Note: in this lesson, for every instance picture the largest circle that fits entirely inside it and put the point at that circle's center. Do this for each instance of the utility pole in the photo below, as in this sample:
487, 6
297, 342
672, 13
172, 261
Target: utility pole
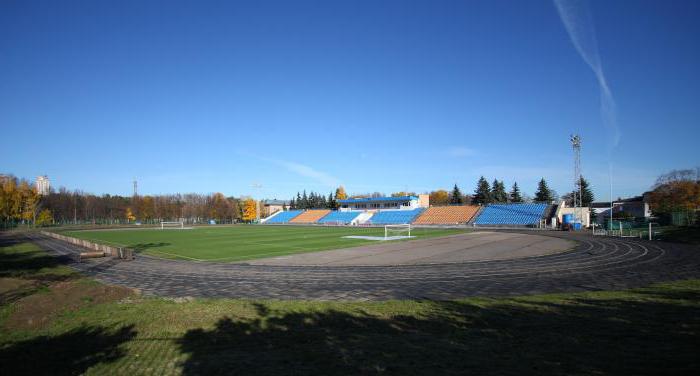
578, 193
257, 187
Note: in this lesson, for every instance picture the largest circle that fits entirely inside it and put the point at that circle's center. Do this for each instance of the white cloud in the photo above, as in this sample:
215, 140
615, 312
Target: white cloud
302, 170
310, 172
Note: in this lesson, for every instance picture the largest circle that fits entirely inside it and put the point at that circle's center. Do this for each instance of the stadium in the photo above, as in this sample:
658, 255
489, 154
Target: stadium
354, 187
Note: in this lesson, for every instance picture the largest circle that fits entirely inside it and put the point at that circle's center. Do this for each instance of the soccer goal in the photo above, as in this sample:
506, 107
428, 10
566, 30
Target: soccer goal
172, 225
397, 231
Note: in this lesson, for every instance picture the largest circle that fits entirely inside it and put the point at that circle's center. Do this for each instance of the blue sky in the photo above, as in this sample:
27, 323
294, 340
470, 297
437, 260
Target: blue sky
375, 95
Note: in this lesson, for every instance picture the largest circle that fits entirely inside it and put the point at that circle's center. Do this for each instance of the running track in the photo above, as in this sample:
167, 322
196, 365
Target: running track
597, 263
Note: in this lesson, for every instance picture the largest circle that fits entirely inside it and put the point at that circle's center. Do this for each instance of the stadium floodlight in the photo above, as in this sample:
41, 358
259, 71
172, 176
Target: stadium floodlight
172, 225
397, 231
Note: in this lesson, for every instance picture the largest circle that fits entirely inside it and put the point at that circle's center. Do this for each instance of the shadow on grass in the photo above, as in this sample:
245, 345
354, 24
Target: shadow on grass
514, 336
145, 246
34, 264
71, 353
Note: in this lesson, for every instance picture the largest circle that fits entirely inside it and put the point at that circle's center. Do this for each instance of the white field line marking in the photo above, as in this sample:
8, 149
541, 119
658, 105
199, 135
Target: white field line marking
176, 255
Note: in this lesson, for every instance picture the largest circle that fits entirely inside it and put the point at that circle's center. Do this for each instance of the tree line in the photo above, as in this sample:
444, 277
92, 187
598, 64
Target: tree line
20, 203
495, 192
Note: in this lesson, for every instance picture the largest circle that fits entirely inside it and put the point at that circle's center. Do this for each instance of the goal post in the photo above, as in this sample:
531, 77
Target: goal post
169, 225
403, 230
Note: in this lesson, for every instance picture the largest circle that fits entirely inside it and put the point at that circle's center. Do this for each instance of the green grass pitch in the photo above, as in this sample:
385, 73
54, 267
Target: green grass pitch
240, 242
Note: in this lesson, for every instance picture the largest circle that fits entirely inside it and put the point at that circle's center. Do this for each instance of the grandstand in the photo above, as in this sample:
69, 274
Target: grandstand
338, 217
310, 216
284, 217
511, 214
389, 217
447, 215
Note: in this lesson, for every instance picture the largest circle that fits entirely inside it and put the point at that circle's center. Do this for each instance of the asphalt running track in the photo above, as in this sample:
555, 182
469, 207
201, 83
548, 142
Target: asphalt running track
596, 263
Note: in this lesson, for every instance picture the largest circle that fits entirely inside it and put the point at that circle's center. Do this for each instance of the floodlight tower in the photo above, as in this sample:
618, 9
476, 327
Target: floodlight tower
578, 189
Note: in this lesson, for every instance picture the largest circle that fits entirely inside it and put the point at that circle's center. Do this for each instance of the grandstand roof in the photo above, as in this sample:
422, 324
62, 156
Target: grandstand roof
377, 199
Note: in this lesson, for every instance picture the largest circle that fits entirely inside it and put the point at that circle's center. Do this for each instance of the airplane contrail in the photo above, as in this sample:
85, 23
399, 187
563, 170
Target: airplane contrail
578, 21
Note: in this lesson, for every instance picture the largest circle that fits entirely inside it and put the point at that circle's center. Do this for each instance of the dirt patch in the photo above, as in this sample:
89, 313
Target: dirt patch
12, 289
37, 310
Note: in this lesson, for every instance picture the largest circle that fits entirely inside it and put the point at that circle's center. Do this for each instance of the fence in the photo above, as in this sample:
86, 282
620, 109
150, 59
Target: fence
107, 250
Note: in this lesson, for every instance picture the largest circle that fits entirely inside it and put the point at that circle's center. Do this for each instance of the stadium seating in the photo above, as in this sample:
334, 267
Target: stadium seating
338, 217
446, 215
310, 216
284, 217
389, 217
511, 214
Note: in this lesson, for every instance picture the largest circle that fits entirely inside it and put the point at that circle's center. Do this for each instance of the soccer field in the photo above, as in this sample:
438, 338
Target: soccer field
240, 242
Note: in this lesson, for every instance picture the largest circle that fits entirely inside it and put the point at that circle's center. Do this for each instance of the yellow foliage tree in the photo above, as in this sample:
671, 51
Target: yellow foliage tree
340, 193
249, 210
45, 218
129, 215
439, 197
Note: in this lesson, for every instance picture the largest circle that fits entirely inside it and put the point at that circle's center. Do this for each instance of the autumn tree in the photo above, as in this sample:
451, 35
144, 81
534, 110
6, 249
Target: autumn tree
403, 194
129, 215
44, 218
439, 197
677, 194
340, 193
249, 210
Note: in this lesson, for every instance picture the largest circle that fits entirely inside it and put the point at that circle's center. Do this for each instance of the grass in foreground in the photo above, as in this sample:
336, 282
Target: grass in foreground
644, 331
241, 242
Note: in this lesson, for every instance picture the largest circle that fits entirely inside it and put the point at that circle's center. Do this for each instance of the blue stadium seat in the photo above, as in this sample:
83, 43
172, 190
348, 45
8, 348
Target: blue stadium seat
511, 214
389, 217
344, 217
284, 217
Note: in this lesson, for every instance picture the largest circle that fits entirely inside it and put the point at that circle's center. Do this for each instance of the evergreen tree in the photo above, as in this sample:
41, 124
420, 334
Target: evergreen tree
498, 192
456, 197
332, 204
543, 194
515, 193
482, 194
304, 201
292, 204
586, 192
299, 204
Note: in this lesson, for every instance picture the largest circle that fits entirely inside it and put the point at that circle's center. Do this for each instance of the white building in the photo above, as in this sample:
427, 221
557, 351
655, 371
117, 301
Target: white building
42, 184
385, 203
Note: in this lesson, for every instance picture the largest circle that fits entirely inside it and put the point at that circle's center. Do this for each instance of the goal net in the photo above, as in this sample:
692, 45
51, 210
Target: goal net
397, 231
173, 225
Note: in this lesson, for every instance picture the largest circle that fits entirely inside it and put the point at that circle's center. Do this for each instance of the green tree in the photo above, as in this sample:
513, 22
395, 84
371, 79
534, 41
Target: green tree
586, 192
456, 197
543, 194
332, 204
482, 194
498, 192
515, 193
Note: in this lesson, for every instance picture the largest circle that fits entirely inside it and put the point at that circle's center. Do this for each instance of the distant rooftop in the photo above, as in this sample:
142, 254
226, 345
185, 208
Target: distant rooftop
377, 199
275, 202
